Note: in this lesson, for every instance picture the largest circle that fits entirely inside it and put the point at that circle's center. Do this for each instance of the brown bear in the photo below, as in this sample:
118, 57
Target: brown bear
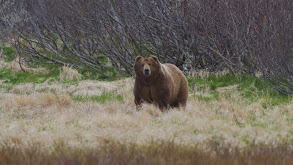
162, 84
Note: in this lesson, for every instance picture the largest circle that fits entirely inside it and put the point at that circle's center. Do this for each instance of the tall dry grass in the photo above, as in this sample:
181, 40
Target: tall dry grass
42, 124
132, 154
68, 73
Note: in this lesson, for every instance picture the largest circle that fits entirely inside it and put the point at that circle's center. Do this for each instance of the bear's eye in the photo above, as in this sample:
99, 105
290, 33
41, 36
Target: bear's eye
150, 64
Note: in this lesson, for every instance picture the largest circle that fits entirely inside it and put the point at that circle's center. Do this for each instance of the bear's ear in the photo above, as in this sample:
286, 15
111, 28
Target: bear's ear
155, 58
138, 58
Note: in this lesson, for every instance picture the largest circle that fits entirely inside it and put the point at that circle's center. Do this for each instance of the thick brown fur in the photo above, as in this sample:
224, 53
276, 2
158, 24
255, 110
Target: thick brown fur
165, 86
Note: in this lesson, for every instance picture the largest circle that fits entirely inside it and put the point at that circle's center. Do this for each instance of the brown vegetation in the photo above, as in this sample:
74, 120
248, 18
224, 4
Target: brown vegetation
155, 153
46, 126
68, 74
247, 36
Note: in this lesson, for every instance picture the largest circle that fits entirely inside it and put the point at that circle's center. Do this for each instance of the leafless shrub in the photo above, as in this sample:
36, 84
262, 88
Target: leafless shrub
242, 36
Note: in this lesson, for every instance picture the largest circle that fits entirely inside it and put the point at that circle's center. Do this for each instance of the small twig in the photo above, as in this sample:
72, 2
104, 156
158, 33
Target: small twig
2, 47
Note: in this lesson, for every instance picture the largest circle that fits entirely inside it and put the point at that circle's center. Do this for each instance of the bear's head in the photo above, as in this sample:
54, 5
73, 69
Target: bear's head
147, 67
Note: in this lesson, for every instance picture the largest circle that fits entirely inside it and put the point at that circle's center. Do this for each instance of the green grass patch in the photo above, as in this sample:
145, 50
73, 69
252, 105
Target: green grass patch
23, 77
9, 53
211, 96
113, 74
250, 87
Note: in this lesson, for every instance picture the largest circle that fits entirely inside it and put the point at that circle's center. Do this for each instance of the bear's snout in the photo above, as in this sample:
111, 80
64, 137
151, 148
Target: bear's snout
146, 70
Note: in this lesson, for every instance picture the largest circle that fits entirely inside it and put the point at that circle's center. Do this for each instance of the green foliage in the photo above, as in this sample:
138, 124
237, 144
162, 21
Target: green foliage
9, 53
111, 72
250, 87
52, 67
93, 75
212, 96
24, 77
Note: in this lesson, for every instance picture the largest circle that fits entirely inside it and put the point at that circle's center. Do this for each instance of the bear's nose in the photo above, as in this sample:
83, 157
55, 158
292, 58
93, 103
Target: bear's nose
146, 71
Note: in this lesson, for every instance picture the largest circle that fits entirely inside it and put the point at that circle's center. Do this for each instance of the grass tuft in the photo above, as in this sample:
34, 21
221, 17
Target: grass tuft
69, 74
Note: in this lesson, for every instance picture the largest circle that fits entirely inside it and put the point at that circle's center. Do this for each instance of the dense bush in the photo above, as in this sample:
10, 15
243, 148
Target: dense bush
243, 36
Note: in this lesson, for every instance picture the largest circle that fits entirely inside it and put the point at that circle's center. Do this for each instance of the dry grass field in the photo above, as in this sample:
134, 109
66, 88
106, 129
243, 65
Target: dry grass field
56, 121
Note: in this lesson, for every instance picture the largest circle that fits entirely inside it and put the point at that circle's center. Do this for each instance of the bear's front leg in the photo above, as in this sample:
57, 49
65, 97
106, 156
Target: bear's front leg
161, 98
138, 102
163, 104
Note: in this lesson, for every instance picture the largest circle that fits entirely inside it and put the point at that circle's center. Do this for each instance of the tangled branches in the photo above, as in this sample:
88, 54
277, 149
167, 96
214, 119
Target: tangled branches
243, 36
